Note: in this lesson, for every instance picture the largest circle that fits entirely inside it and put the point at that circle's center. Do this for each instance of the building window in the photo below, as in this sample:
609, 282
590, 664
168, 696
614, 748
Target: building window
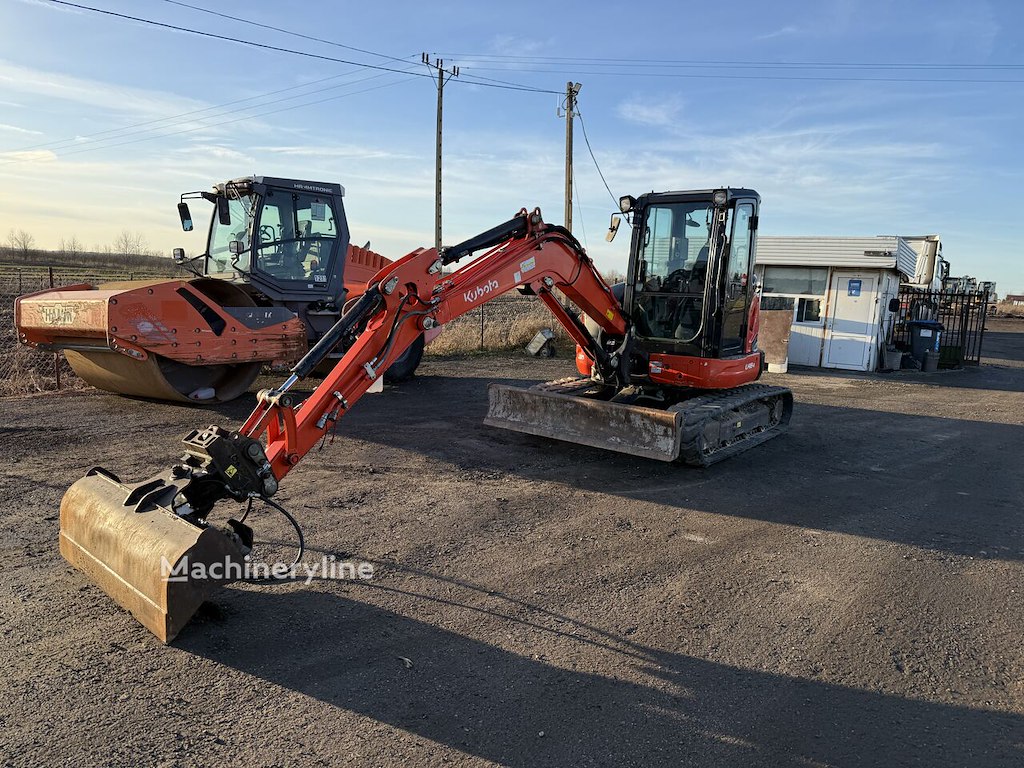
777, 302
808, 311
799, 280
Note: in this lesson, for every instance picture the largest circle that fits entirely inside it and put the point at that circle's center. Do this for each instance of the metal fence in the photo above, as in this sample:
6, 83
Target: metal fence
507, 322
24, 370
962, 316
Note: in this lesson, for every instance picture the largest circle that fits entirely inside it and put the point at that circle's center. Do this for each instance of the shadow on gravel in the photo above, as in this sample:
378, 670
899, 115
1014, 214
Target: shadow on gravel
988, 376
951, 485
1003, 345
521, 711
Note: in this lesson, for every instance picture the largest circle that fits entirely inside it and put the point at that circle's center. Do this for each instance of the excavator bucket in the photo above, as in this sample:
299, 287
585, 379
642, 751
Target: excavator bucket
149, 560
700, 431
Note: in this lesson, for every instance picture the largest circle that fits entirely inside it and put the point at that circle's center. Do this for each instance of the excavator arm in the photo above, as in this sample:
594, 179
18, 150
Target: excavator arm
411, 296
151, 545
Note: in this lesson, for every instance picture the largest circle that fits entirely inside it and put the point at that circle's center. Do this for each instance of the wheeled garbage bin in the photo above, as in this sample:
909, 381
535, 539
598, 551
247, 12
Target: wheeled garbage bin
925, 336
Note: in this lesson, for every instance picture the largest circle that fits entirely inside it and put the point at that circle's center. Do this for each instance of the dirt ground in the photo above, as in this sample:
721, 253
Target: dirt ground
847, 594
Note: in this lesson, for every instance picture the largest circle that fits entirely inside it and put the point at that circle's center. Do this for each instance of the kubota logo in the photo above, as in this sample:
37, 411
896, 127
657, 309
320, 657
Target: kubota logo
481, 290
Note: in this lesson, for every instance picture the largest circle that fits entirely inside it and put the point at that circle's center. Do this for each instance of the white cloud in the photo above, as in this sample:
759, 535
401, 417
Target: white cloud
28, 155
344, 151
790, 30
41, 84
650, 112
16, 129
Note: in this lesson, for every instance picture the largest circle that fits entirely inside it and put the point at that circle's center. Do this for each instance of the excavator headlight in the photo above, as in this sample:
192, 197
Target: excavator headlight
721, 197
627, 203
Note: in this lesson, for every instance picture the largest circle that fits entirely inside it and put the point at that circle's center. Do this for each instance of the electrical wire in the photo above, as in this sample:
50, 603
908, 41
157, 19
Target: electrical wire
517, 58
204, 127
129, 130
579, 209
284, 31
576, 72
597, 165
227, 38
280, 49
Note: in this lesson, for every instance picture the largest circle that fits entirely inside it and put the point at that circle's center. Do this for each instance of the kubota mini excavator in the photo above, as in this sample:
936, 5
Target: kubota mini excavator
668, 362
277, 271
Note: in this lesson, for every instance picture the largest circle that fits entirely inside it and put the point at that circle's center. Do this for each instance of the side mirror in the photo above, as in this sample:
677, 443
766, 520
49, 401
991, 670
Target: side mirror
223, 211
894, 305
178, 254
613, 227
186, 217
236, 247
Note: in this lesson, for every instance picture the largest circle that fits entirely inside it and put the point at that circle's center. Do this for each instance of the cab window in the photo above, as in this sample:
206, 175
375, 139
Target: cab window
296, 236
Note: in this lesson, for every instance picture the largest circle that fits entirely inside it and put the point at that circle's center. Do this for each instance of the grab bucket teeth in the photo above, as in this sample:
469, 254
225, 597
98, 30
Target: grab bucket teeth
148, 559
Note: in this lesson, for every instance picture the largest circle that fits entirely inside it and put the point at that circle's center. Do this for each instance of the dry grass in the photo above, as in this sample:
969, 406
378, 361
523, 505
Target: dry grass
506, 325
1005, 309
26, 371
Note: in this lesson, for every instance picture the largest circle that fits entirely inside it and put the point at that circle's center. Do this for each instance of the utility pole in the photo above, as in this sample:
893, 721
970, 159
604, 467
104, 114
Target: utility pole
571, 92
443, 76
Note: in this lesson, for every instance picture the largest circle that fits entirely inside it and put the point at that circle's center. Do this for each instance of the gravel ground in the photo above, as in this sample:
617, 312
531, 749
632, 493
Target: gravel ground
847, 594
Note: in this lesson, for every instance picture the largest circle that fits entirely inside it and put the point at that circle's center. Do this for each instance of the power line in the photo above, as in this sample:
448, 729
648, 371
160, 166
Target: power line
207, 127
285, 31
277, 48
822, 78
129, 130
517, 59
227, 38
590, 149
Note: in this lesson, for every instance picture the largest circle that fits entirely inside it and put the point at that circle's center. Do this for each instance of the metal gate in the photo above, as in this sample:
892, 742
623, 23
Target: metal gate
961, 314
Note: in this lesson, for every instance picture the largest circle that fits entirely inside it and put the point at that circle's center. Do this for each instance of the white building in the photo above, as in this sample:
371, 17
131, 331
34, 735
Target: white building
839, 290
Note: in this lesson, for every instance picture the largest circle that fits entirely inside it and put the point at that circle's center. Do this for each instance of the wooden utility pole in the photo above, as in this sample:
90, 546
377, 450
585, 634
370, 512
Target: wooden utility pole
571, 91
443, 76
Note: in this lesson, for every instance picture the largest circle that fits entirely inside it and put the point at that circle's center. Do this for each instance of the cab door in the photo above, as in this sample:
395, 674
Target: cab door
735, 278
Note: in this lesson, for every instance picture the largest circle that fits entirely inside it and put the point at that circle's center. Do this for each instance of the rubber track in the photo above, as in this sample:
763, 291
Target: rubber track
698, 411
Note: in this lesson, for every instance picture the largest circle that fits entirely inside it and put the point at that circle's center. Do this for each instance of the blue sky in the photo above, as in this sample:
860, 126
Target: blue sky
103, 122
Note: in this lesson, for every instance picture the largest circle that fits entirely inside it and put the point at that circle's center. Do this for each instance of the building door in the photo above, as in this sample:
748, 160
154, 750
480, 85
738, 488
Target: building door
808, 323
850, 328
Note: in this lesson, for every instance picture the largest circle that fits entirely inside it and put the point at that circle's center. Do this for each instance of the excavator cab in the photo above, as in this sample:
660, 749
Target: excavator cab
689, 291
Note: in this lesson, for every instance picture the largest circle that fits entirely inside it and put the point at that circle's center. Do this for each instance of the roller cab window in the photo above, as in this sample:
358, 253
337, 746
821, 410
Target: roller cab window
295, 237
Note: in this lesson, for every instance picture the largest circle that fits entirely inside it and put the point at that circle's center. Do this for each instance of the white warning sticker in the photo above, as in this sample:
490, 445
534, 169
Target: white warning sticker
529, 264
518, 277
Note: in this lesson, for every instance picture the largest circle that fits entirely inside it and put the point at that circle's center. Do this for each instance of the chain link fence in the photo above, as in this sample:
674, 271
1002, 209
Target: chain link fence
24, 370
508, 322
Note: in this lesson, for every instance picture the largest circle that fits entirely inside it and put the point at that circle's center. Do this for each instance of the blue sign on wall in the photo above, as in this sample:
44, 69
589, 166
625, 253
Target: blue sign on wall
853, 288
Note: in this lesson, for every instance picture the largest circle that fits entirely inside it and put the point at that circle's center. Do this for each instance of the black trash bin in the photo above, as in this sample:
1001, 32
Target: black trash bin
925, 336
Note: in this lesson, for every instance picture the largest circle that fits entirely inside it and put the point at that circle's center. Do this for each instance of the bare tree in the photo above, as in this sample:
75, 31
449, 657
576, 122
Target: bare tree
613, 276
70, 246
130, 244
20, 240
